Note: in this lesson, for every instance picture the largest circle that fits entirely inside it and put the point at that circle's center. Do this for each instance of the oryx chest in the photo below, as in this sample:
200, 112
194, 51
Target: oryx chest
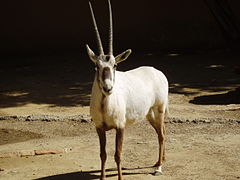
108, 112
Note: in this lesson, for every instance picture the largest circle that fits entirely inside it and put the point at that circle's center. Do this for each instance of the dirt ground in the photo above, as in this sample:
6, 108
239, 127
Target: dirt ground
44, 107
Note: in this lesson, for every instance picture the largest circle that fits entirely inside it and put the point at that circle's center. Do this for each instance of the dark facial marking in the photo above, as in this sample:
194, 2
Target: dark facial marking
102, 104
108, 58
106, 73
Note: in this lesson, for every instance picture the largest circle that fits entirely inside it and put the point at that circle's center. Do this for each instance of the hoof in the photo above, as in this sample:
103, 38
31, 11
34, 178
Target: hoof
157, 173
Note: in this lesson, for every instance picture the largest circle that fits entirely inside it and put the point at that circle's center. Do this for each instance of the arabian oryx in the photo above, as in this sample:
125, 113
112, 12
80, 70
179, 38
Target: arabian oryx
121, 98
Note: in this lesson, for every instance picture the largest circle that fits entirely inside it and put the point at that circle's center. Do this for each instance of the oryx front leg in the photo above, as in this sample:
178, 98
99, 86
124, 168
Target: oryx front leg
103, 155
118, 152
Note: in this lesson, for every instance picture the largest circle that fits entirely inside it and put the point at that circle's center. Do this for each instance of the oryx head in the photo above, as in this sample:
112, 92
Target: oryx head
105, 63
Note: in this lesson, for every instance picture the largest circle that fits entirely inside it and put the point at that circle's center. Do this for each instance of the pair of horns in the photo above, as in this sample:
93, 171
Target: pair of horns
99, 42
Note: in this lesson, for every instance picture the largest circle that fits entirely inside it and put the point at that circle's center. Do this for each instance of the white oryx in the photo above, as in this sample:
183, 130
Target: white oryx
122, 98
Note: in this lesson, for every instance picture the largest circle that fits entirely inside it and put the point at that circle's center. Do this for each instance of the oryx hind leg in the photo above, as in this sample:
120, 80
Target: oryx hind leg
156, 119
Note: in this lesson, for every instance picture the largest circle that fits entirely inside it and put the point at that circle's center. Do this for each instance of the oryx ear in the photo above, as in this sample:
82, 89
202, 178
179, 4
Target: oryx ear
123, 56
91, 54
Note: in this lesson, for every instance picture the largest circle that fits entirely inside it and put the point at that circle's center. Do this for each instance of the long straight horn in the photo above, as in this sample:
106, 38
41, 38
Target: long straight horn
99, 42
110, 29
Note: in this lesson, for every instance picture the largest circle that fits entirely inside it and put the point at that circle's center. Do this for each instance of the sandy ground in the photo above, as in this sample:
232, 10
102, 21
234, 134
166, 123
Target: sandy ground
44, 106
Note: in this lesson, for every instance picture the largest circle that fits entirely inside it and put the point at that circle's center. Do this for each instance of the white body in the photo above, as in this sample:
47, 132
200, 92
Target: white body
137, 94
121, 98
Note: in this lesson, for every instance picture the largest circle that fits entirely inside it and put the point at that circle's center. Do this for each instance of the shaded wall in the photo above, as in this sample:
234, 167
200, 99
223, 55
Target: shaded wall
38, 27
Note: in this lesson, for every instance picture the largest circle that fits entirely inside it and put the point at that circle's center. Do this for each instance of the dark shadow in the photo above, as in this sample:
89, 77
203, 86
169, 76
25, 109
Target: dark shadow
67, 80
90, 175
213, 73
9, 136
53, 80
231, 97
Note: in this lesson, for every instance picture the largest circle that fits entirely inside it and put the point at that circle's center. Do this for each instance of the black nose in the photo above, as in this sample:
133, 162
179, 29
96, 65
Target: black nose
107, 90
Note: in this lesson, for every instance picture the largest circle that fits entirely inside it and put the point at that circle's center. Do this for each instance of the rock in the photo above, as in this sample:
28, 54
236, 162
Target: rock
84, 121
181, 121
206, 121
66, 150
2, 118
8, 154
54, 151
25, 153
195, 121
13, 117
